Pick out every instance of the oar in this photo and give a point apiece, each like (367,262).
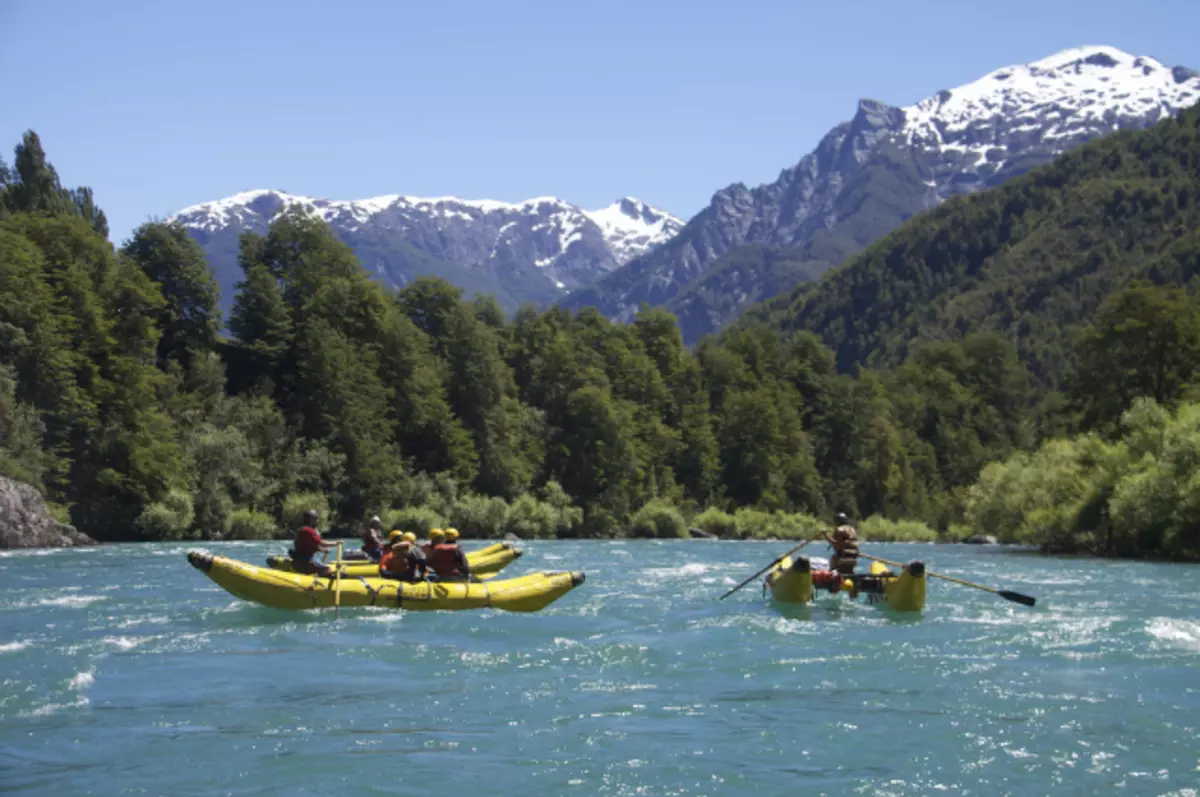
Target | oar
(1015,597)
(768,567)
(337,590)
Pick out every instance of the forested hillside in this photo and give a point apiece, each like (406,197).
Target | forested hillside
(123,403)
(1030,260)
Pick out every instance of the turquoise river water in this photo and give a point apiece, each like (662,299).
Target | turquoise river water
(125,671)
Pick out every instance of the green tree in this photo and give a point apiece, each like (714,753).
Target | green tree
(21,454)
(188,321)
(1145,342)
(260,317)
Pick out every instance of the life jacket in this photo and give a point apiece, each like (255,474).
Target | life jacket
(444,560)
(824,579)
(845,540)
(403,566)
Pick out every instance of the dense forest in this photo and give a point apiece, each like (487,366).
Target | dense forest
(1031,260)
(122,399)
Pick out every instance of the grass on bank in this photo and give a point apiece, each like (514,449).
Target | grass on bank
(547,514)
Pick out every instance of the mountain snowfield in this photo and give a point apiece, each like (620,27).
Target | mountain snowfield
(864,178)
(525,251)
(1072,96)
(870,174)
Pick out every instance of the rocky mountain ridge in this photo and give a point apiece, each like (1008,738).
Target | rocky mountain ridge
(534,250)
(868,175)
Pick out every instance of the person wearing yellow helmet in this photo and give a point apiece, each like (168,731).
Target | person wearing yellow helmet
(435,536)
(393,537)
(448,560)
(412,538)
(403,561)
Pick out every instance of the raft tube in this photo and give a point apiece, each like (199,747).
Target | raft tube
(791,581)
(485,563)
(280,590)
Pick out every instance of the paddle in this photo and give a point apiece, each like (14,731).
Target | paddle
(337,594)
(768,567)
(1015,597)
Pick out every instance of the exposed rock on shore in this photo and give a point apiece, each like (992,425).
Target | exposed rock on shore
(26,523)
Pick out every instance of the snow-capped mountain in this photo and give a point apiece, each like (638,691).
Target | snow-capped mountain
(534,250)
(868,175)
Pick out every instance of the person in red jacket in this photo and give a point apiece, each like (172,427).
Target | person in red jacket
(308,543)
(448,560)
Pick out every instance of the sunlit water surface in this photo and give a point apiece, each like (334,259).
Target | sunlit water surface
(125,671)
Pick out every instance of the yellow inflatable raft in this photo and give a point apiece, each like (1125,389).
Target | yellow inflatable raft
(485,563)
(269,587)
(791,581)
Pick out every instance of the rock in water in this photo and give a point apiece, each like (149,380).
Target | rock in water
(25,522)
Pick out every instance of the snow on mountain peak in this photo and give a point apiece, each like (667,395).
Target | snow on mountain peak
(547,232)
(1075,92)
(633,227)
(1092,55)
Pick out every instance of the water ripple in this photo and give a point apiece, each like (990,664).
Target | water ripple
(639,682)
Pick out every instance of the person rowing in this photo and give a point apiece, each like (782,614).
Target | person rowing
(308,543)
(844,541)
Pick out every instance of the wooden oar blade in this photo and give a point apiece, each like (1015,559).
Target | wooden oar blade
(1016,597)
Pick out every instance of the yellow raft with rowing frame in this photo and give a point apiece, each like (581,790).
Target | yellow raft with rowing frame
(791,581)
(485,563)
(275,588)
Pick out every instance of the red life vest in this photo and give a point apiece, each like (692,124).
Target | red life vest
(400,564)
(444,560)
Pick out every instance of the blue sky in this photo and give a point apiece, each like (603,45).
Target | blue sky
(159,105)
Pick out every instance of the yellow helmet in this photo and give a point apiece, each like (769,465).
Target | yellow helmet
(452,534)
(410,537)
(393,535)
(437,534)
